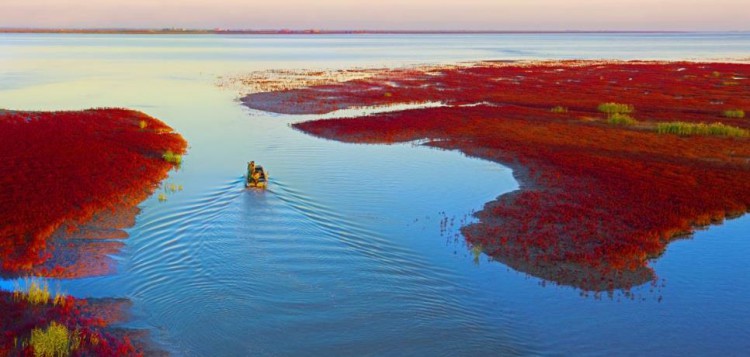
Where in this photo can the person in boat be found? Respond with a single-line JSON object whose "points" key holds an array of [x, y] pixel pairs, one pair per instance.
{"points": [[256, 176], [253, 175], [250, 171]]}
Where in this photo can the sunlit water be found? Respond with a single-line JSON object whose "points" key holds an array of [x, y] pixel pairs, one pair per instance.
{"points": [[344, 253]]}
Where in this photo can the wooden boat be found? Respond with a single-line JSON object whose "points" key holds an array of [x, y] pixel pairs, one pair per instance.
{"points": [[260, 182]]}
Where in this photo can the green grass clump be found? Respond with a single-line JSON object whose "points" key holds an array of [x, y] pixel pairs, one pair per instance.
{"points": [[715, 129], [36, 293], [621, 119], [615, 108], [734, 113], [173, 188], [559, 109], [170, 156], [54, 341]]}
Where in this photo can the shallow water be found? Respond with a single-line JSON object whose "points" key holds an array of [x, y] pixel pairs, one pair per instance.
{"points": [[344, 254]]}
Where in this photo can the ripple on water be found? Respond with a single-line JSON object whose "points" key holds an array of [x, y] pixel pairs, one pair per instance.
{"points": [[275, 262]]}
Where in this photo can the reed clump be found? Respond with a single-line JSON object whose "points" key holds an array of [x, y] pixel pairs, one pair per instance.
{"points": [[734, 113], [54, 341], [687, 129], [36, 293], [171, 157], [621, 119], [611, 108]]}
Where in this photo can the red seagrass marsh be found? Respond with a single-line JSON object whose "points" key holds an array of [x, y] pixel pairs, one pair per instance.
{"points": [[72, 182], [615, 159], [69, 168]]}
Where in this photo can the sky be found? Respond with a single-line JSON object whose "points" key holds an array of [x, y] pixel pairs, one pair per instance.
{"points": [[518, 15]]}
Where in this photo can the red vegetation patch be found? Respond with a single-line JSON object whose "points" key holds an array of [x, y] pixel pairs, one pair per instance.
{"points": [[89, 319], [597, 200], [64, 168]]}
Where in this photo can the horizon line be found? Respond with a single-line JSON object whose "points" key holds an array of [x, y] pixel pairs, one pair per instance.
{"points": [[177, 30]]}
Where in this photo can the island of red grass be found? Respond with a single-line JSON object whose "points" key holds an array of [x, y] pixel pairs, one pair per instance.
{"points": [[90, 320], [61, 169], [597, 201]]}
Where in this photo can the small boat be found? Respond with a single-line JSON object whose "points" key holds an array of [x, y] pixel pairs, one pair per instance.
{"points": [[259, 179]]}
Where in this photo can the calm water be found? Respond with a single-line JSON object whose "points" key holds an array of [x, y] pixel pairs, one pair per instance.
{"points": [[344, 254]]}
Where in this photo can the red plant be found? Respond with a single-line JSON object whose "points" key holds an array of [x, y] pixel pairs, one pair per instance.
{"points": [[597, 200], [63, 168]]}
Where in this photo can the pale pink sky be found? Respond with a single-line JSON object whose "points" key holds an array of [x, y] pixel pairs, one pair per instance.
{"points": [[382, 14]]}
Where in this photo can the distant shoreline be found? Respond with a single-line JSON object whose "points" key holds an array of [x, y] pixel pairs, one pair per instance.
{"points": [[177, 31]]}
